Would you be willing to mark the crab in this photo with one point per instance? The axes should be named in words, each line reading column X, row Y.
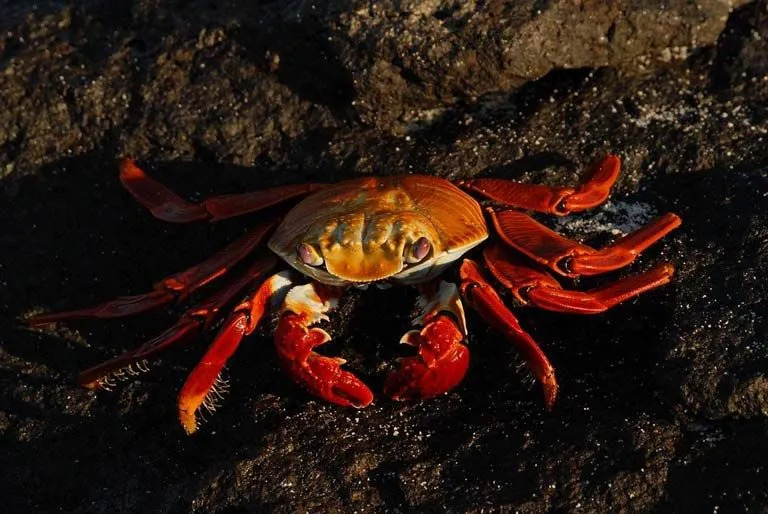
column 392, row 230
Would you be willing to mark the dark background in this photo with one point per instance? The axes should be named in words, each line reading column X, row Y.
column 663, row 400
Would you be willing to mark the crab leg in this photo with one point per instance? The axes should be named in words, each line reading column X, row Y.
column 530, row 285
column 442, row 360
column 192, row 322
column 168, row 206
column 174, row 287
column 486, row 301
column 295, row 339
column 570, row 258
column 202, row 386
column 549, row 199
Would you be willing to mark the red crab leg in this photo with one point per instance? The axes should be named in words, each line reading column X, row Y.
column 177, row 286
column 295, row 338
column 168, row 206
column 486, row 301
column 550, row 199
column 570, row 258
column 191, row 323
column 442, row 360
column 530, row 285
column 203, row 385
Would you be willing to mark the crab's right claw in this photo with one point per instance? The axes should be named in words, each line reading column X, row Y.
column 440, row 366
column 321, row 376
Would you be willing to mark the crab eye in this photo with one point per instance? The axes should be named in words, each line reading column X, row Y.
column 418, row 251
column 308, row 255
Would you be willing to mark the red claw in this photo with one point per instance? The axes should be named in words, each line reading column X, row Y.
column 321, row 376
column 439, row 367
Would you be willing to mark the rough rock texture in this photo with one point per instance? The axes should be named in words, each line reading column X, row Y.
column 664, row 400
column 425, row 55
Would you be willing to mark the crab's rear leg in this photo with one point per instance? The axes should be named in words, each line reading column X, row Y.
column 549, row 199
column 570, row 258
column 195, row 320
column 530, row 285
column 168, row 206
column 486, row 301
column 200, row 388
column 442, row 359
column 169, row 289
column 295, row 339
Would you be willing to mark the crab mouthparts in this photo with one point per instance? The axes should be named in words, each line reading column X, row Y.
column 363, row 263
column 379, row 284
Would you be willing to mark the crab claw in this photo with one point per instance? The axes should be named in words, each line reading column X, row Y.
column 295, row 338
column 439, row 367
column 321, row 376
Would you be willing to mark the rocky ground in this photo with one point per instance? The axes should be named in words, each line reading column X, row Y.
column 664, row 400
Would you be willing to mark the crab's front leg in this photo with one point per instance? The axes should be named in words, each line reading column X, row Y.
column 296, row 337
column 442, row 360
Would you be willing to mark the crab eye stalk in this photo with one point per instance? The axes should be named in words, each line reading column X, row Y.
column 308, row 255
column 418, row 251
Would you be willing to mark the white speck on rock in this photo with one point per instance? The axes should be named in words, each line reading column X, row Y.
column 617, row 218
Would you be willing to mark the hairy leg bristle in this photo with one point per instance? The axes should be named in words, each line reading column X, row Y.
column 523, row 372
column 109, row 381
column 212, row 400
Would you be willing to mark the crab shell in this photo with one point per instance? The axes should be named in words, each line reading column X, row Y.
column 362, row 229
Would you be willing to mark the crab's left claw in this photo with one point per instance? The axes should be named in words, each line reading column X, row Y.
column 321, row 376
column 295, row 338
column 439, row 367
column 442, row 360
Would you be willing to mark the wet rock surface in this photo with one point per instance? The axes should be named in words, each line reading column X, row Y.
column 663, row 400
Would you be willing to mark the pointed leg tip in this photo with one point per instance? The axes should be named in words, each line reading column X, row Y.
column 668, row 269
column 49, row 318
column 129, row 170
column 89, row 382
column 188, row 406
column 188, row 421
column 673, row 216
column 660, row 274
column 607, row 169
column 670, row 221
column 37, row 321
column 549, row 388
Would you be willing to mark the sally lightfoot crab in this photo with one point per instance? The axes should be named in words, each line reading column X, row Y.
column 395, row 230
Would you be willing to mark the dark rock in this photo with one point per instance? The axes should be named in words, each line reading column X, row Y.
column 410, row 59
column 720, row 354
column 664, row 400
